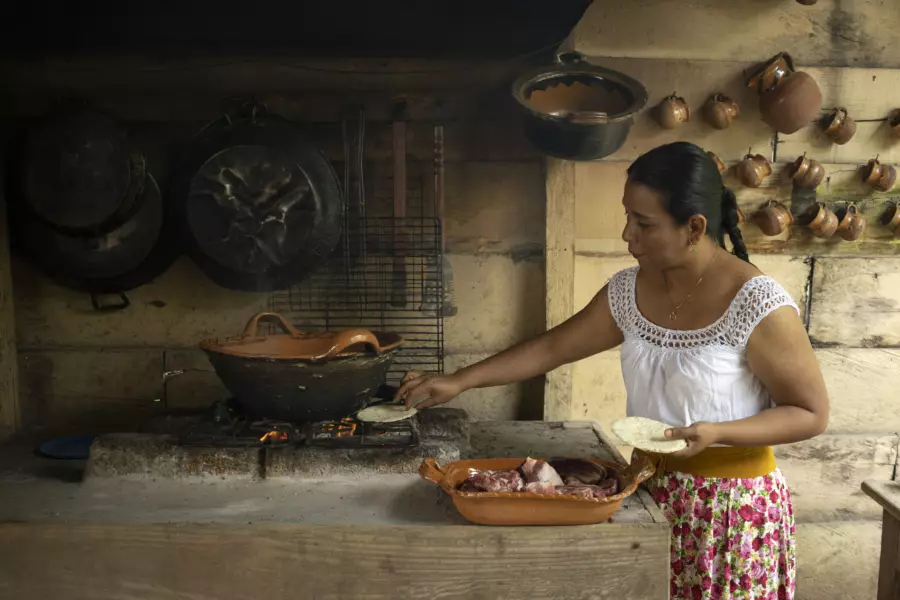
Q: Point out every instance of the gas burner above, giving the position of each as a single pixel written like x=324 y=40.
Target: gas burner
x=225 y=426
x=350 y=433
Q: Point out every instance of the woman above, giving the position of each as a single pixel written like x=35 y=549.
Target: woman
x=710 y=346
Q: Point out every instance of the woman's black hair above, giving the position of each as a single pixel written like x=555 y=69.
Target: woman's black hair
x=690 y=183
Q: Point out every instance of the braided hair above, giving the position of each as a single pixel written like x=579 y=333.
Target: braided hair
x=690 y=183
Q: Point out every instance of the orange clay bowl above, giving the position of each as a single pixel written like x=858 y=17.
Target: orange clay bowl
x=528 y=508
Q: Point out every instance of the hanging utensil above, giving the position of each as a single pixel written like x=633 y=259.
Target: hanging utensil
x=261 y=203
x=398 y=290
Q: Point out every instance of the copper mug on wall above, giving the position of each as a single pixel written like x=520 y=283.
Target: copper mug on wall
x=879 y=176
x=840 y=126
x=824 y=223
x=672 y=111
x=891 y=218
x=774 y=218
x=852 y=224
x=721 y=110
x=753 y=170
x=719 y=164
x=806 y=172
x=894 y=123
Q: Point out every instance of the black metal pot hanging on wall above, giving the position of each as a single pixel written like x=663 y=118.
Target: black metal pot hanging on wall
x=127 y=257
x=78 y=173
x=578 y=111
x=261 y=204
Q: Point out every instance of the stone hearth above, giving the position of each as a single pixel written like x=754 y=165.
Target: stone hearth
x=443 y=435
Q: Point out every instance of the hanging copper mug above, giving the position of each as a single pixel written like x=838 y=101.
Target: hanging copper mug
x=721 y=110
x=840 y=126
x=774 y=218
x=891 y=218
x=672 y=112
x=753 y=170
x=806 y=172
x=852 y=225
x=879 y=176
x=824 y=223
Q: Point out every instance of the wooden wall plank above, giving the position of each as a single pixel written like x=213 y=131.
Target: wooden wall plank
x=127 y=562
x=560 y=276
x=824 y=474
x=832 y=32
x=10 y=419
x=866 y=93
x=696 y=81
x=600 y=219
x=872 y=139
x=855 y=303
x=862 y=386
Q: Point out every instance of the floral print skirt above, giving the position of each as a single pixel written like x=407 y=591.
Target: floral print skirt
x=731 y=538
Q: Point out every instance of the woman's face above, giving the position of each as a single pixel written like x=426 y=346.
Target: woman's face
x=651 y=233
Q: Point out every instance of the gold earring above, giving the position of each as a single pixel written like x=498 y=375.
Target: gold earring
x=693 y=247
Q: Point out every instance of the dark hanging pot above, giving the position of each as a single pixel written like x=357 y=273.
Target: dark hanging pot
x=78 y=174
x=262 y=205
x=303 y=377
x=578 y=111
x=129 y=256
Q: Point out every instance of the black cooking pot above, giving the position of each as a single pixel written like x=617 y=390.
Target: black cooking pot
x=78 y=174
x=129 y=256
x=303 y=377
x=578 y=111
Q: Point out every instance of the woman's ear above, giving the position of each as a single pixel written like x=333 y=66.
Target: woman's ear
x=697 y=228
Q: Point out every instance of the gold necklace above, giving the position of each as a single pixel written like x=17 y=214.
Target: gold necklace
x=676 y=307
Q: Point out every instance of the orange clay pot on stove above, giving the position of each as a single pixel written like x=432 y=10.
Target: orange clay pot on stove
x=528 y=508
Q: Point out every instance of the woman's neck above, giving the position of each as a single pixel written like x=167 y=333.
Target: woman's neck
x=686 y=275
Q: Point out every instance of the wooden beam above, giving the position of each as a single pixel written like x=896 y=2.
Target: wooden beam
x=560 y=269
x=9 y=374
x=275 y=561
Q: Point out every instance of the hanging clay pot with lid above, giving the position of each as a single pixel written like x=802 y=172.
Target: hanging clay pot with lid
x=575 y=110
x=788 y=99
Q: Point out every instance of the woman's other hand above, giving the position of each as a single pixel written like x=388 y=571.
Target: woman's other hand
x=698 y=436
x=423 y=391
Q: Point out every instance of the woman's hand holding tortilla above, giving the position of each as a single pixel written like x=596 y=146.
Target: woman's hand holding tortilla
x=424 y=391
x=698 y=436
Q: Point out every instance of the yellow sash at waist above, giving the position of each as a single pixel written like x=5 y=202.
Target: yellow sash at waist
x=743 y=462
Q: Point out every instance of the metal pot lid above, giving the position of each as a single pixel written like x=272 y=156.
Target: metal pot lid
x=575 y=91
x=294 y=345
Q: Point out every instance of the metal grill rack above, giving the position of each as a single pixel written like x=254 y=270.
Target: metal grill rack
x=386 y=274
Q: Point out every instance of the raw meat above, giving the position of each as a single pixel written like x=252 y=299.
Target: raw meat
x=577 y=470
x=582 y=491
x=609 y=487
x=493 y=481
x=540 y=487
x=534 y=471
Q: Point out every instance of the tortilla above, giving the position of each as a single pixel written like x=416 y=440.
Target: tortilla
x=385 y=413
x=646 y=434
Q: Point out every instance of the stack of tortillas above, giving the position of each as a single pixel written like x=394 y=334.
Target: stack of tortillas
x=646 y=434
x=385 y=413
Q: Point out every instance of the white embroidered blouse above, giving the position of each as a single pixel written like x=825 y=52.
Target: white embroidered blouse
x=681 y=377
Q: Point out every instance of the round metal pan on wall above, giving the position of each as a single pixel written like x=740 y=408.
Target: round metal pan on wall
x=261 y=204
x=127 y=257
x=78 y=174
